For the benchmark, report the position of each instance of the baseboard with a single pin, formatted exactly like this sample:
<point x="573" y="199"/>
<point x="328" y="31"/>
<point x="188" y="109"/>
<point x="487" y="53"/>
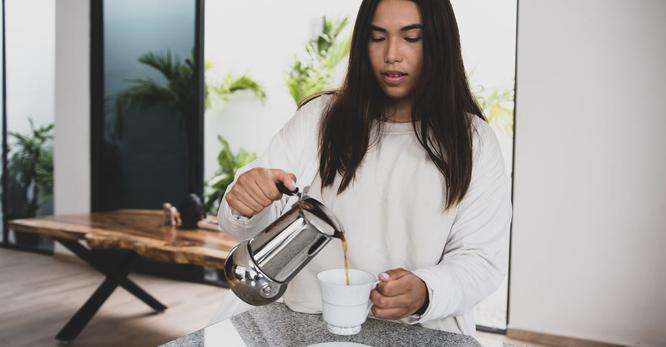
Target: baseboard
<point x="553" y="340"/>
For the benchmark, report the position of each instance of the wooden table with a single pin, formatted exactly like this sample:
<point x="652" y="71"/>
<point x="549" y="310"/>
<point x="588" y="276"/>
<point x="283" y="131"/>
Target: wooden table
<point x="138" y="233"/>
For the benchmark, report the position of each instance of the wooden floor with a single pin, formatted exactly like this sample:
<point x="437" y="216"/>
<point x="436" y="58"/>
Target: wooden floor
<point x="38" y="295"/>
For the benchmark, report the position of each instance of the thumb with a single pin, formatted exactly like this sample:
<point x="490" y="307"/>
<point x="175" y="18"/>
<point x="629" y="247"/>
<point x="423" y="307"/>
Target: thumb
<point x="393" y="274"/>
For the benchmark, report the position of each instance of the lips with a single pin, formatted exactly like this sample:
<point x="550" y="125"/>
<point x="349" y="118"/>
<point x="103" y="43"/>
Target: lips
<point x="393" y="77"/>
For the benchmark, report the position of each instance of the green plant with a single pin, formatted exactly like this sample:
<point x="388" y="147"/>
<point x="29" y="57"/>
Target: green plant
<point x="179" y="92"/>
<point x="232" y="84"/>
<point x="497" y="106"/>
<point x="228" y="164"/>
<point x="495" y="103"/>
<point x="313" y="73"/>
<point x="30" y="171"/>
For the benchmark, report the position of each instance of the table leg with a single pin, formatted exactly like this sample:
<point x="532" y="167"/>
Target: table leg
<point x="114" y="278"/>
<point x="88" y="310"/>
<point x="87" y="256"/>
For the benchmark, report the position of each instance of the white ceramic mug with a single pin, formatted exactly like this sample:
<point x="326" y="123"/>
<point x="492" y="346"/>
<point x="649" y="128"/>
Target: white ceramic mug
<point x="345" y="307"/>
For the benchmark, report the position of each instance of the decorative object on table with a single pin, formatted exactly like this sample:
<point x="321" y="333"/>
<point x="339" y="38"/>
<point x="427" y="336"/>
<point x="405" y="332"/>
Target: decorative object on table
<point x="312" y="73"/>
<point x="228" y="164"/>
<point x="191" y="211"/>
<point x="30" y="177"/>
<point x="171" y="215"/>
<point x="258" y="270"/>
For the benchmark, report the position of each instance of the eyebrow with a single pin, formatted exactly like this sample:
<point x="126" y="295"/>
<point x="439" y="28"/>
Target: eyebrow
<point x="405" y="28"/>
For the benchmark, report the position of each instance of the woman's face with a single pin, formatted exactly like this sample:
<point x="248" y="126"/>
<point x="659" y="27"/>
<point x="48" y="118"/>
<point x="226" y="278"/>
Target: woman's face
<point x="395" y="47"/>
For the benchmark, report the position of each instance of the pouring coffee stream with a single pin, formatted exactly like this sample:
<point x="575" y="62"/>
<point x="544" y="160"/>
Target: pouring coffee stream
<point x="259" y="269"/>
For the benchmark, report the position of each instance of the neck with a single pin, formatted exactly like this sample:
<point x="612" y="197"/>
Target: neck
<point x="400" y="111"/>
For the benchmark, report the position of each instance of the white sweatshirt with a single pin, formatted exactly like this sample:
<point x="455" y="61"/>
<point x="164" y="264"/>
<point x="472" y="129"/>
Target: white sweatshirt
<point x="392" y="215"/>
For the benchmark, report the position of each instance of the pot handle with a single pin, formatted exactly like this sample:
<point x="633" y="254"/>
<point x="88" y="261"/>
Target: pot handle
<point x="284" y="190"/>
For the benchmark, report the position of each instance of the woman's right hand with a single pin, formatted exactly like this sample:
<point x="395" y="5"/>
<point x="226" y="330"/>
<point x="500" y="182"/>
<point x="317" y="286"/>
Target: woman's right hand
<point x="255" y="189"/>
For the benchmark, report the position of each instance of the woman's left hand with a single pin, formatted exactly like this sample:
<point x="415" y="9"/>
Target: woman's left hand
<point x="398" y="295"/>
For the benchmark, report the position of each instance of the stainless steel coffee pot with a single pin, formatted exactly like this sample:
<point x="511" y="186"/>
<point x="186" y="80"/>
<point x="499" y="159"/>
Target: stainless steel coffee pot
<point x="258" y="270"/>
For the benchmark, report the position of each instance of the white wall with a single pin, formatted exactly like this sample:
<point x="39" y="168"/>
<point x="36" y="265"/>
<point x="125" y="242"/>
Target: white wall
<point x="488" y="39"/>
<point x="29" y="49"/>
<point x="589" y="226"/>
<point x="72" y="107"/>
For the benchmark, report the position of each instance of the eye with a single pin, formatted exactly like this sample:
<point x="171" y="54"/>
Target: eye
<point x="376" y="39"/>
<point x="413" y="39"/>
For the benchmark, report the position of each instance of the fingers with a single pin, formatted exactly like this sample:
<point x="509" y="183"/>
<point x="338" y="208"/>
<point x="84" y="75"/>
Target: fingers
<point x="255" y="189"/>
<point x="392" y="274"/>
<point x="394" y="282"/>
<point x="240" y="201"/>
<point x="258" y="193"/>
<point x="398" y="294"/>
<point x="239" y="206"/>
<point x="383" y="301"/>
<point x="385" y="307"/>
<point x="269" y="189"/>
<point x="389" y="313"/>
<point x="288" y="179"/>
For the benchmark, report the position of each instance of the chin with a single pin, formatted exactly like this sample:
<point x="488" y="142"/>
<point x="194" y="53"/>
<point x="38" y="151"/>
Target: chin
<point x="396" y="94"/>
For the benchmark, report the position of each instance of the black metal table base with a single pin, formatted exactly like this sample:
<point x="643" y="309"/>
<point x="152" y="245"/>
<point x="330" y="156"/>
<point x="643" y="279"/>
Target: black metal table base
<point x="115" y="276"/>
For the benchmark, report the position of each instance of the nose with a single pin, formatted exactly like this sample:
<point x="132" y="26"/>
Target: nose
<point x="392" y="54"/>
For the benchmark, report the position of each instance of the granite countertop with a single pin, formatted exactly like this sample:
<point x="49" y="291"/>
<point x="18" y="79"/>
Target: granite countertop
<point x="276" y="325"/>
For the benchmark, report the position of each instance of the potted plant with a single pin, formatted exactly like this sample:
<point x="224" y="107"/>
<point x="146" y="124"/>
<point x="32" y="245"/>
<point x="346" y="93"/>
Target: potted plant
<point x="30" y="176"/>
<point x="228" y="164"/>
<point x="312" y="73"/>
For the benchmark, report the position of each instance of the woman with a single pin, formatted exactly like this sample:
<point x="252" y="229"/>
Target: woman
<point x="402" y="156"/>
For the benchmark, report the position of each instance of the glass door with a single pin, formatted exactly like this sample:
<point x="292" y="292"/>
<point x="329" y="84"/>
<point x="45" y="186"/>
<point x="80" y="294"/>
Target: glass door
<point x="147" y="100"/>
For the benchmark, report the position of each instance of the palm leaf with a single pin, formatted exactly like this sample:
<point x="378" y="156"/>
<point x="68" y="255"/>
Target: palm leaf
<point x="144" y="93"/>
<point x="313" y="73"/>
<point x="232" y="84"/>
<point x="164" y="63"/>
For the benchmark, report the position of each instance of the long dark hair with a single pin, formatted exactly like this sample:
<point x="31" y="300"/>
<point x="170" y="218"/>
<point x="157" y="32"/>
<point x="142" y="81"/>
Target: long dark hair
<point x="443" y="103"/>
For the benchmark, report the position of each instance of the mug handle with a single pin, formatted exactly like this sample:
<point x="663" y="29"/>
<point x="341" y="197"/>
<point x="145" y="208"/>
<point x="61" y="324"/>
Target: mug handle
<point x="374" y="285"/>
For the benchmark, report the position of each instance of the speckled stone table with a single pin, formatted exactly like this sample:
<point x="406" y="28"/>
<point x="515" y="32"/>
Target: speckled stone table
<point x="276" y="325"/>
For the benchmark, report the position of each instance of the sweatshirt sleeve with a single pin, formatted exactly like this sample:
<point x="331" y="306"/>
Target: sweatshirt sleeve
<point x="475" y="258"/>
<point x="286" y="151"/>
